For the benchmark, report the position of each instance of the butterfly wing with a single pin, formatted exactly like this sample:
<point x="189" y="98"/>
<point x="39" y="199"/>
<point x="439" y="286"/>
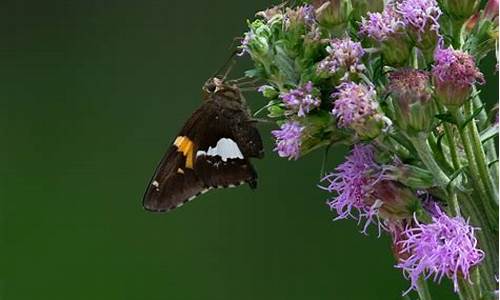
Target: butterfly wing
<point x="209" y="152"/>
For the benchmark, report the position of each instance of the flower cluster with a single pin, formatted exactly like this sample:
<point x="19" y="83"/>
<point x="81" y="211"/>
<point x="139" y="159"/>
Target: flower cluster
<point x="302" y="15"/>
<point x="454" y="65"/>
<point x="354" y="104"/>
<point x="445" y="247"/>
<point x="421" y="15"/>
<point x="355" y="107"/>
<point x="455" y="73"/>
<point x="353" y="183"/>
<point x="384" y="78"/>
<point x="381" y="26"/>
<point x="344" y="56"/>
<point x="288" y="140"/>
<point x="301" y="100"/>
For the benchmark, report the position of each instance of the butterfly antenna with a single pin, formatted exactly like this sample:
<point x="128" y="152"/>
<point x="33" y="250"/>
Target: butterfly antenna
<point x="228" y="65"/>
<point x="324" y="162"/>
<point x="229" y="69"/>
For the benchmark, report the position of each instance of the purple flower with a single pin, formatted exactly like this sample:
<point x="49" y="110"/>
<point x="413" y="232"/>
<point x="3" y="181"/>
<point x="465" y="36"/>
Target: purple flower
<point x="353" y="183"/>
<point x="454" y="72"/>
<point x="301" y="99"/>
<point x="457" y="66"/>
<point x="354" y="103"/>
<point x="288" y="140"/>
<point x="248" y="36"/>
<point x="445" y="247"/>
<point x="380" y="26"/>
<point x="422" y="15"/>
<point x="302" y="15"/>
<point x="309" y="14"/>
<point x="344" y="55"/>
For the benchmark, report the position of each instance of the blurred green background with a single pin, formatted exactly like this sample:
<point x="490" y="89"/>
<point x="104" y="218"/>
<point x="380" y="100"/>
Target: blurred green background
<point x="92" y="93"/>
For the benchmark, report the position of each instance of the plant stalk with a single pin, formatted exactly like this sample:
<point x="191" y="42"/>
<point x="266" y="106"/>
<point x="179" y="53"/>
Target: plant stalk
<point x="423" y="290"/>
<point x="475" y="175"/>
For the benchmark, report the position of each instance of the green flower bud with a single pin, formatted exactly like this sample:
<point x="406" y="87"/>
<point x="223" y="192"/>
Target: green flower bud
<point x="396" y="201"/>
<point x="460" y="9"/>
<point x="396" y="50"/>
<point x="332" y="14"/>
<point x="361" y="7"/>
<point x="412" y="100"/>
<point x="409" y="175"/>
<point x="257" y="41"/>
<point x="268" y="91"/>
<point x="319" y="130"/>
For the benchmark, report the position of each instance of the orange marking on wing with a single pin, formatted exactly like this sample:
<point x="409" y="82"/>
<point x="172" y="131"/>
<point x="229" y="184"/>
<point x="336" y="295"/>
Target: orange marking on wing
<point x="185" y="146"/>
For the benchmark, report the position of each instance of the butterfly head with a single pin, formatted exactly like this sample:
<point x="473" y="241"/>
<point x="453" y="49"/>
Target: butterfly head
<point x="216" y="86"/>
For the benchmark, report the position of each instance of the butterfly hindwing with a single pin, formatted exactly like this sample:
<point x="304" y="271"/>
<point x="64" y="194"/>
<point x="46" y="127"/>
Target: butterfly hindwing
<point x="211" y="151"/>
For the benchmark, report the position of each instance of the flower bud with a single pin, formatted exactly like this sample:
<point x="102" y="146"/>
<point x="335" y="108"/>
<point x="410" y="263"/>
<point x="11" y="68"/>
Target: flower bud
<point x="256" y="41"/>
<point x="454" y="74"/>
<point x="361" y="7"/>
<point x="268" y="91"/>
<point x="319" y="130"/>
<point x="269" y="13"/>
<point x="471" y="22"/>
<point x="299" y="18"/>
<point x="412" y="100"/>
<point x="397" y="201"/>
<point x="333" y="13"/>
<point x="398" y="234"/>
<point x="460" y="9"/>
<point x="490" y="12"/>
<point x="409" y="175"/>
<point x="481" y="34"/>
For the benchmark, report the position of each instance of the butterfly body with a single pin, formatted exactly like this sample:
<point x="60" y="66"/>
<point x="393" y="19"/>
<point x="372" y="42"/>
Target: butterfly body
<point x="211" y="151"/>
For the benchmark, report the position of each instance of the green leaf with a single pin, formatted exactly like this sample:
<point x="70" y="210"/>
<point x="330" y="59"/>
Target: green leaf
<point x="455" y="175"/>
<point x="252" y="73"/>
<point x="267" y="106"/>
<point x="275" y="111"/>
<point x="446" y="117"/>
<point x="439" y="143"/>
<point x="489" y="133"/>
<point x="472" y="117"/>
<point x="492" y="163"/>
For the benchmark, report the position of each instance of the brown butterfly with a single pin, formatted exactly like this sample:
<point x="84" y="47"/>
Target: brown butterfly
<point x="211" y="151"/>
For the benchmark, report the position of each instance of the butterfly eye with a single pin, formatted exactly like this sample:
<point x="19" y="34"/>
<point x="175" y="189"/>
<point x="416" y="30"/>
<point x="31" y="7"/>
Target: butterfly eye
<point x="211" y="87"/>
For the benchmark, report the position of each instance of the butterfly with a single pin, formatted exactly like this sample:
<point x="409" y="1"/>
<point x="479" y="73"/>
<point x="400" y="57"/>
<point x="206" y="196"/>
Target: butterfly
<point x="212" y="150"/>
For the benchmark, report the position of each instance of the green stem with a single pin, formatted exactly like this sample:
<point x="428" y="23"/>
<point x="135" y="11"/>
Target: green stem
<point x="480" y="155"/>
<point x="487" y="239"/>
<point x="467" y="291"/>
<point x="423" y="290"/>
<point x="474" y="169"/>
<point x="451" y="142"/>
<point x="490" y="147"/>
<point x="439" y="154"/>
<point x="425" y="153"/>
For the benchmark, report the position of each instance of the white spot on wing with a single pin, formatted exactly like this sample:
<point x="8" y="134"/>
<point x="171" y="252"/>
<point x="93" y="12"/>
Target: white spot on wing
<point x="156" y="184"/>
<point x="226" y="149"/>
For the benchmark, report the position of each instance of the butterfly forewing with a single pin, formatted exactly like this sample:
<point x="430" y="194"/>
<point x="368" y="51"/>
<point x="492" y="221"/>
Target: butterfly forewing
<point x="211" y="151"/>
